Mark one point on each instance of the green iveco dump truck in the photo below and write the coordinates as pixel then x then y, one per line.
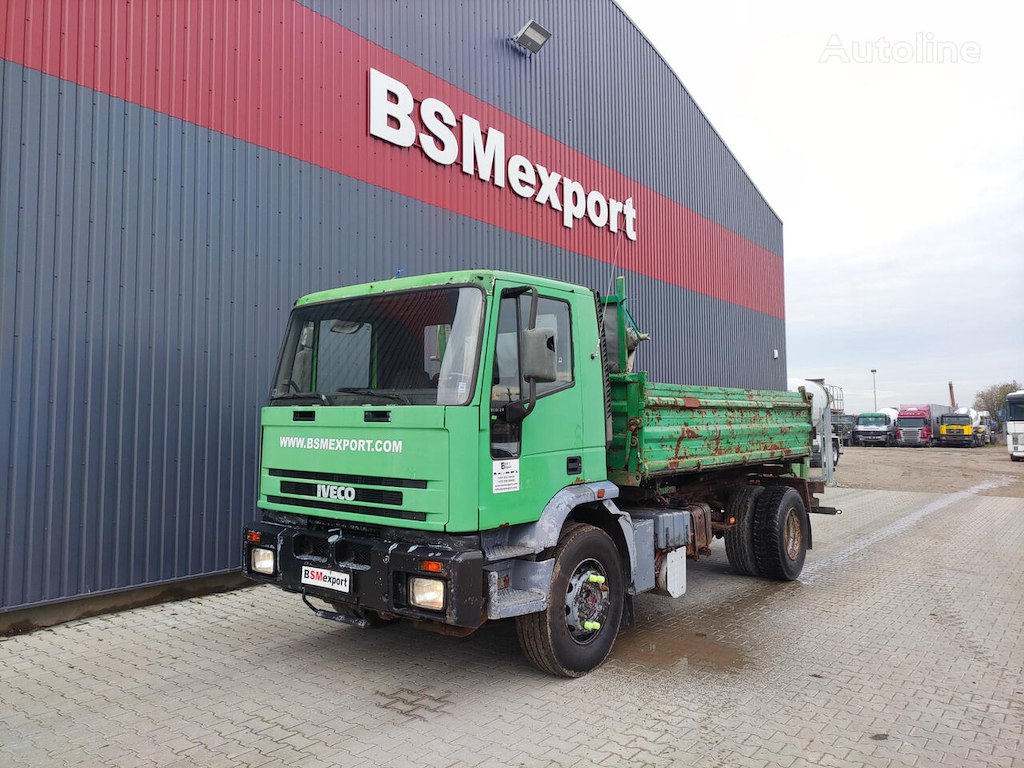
pixel 463 447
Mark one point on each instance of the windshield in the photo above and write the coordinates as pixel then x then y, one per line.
pixel 872 421
pixel 909 422
pixel 1015 410
pixel 959 420
pixel 417 347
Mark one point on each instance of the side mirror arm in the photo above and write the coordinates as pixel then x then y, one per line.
pixel 518 410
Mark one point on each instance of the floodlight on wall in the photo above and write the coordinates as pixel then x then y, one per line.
pixel 532 37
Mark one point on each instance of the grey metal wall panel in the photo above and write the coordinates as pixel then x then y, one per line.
pixel 147 266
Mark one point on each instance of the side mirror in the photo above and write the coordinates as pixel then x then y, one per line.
pixel 538 350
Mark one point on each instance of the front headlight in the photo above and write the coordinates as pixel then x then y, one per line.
pixel 426 593
pixel 262 560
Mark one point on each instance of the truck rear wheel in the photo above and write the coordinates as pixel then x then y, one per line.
pixel 576 632
pixel 739 542
pixel 780 533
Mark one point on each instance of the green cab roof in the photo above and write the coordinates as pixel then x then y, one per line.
pixel 485 278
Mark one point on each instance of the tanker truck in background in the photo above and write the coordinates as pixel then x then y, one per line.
pixel 961 427
pixel 892 413
pixel 985 428
pixel 842 422
pixel 875 428
pixel 821 418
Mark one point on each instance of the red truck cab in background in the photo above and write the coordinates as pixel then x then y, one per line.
pixel 917 425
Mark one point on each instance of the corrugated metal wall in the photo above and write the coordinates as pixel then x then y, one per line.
pixel 599 86
pixel 147 265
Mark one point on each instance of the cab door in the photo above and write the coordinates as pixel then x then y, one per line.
pixel 526 462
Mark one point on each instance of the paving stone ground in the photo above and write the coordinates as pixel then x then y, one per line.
pixel 901 645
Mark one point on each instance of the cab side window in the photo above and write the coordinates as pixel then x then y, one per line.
pixel 507 384
pixel 514 316
pixel 553 314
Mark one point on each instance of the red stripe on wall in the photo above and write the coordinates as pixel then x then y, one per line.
pixel 281 76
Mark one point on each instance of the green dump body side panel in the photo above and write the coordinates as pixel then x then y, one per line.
pixel 661 430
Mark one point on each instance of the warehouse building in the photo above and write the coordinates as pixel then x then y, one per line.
pixel 174 175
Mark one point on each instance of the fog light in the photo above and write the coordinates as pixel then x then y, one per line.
pixel 262 560
pixel 426 593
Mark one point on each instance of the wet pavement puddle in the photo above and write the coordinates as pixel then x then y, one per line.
pixel 663 650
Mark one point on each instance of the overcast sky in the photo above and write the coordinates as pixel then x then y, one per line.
pixel 900 183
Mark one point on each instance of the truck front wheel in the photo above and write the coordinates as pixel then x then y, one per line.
pixel 780 533
pixel 576 632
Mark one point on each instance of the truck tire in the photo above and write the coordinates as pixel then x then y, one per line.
pixel 780 533
pixel 555 640
pixel 739 542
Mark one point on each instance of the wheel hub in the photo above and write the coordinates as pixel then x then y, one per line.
pixel 794 534
pixel 587 601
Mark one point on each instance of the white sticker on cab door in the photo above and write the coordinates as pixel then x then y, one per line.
pixel 505 476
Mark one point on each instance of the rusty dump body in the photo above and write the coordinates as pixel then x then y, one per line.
pixel 664 430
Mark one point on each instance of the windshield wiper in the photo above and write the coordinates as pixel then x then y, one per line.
pixel 320 396
pixel 393 396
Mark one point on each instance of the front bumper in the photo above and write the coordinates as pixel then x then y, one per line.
pixel 882 438
pixel 960 441
pixel 378 568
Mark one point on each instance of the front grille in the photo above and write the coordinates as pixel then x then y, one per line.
pixel 912 434
pixel 331 477
pixel 366 495
pixel 334 492
pixel 401 514
pixel 352 552
pixel 311 548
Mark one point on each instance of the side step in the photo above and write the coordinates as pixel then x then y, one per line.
pixel 517 587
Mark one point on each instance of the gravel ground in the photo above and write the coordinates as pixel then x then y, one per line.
pixel 930 470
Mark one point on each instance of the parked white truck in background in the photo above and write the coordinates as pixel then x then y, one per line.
pixel 1013 424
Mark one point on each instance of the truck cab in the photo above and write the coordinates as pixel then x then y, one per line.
pixel 844 424
pixel 914 427
pixel 457 448
pixel 1013 424
pixel 874 429
pixel 958 429
pixel 389 409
